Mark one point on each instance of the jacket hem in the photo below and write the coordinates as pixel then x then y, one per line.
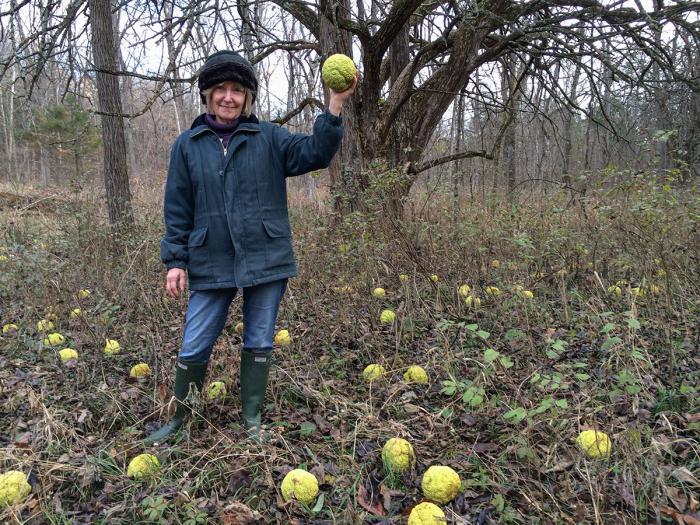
pixel 245 284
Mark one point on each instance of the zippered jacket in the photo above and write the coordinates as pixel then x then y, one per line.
pixel 225 211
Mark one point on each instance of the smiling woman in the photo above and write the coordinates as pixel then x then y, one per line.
pixel 227 225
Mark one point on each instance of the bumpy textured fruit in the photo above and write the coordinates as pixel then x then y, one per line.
pixel 283 338
pixel 527 294
pixel 472 301
pixel 416 374
pixel 13 487
pixel 216 390
pixel 492 291
pixel 143 466
pixel 140 370
pixel 299 485
pixel 84 293
pixel 54 339
pixel 495 263
pixel 44 325
pixel 112 347
pixel 387 317
pixel 440 483
pixel 403 277
pixel 338 71
pixel 10 329
pixel 435 278
pixel 594 443
pixel 398 456
pixel 373 372
pixel 67 354
pixel 75 312
pixel 464 290
pixel 378 293
pixel 426 514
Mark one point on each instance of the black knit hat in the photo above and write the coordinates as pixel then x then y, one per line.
pixel 223 66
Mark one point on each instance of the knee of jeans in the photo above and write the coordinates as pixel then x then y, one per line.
pixel 195 355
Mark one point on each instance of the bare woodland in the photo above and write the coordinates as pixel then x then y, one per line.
pixel 480 96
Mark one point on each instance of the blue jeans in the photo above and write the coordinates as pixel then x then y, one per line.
pixel 207 311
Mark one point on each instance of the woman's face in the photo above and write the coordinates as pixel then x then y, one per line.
pixel 227 101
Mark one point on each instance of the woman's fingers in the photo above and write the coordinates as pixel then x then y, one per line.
pixel 175 282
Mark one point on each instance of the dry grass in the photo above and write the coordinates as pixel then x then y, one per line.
pixel 627 365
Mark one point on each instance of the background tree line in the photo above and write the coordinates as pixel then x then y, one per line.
pixel 488 94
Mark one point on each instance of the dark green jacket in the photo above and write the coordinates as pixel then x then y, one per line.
pixel 226 217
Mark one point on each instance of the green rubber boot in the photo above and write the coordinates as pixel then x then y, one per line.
pixel 187 373
pixel 255 370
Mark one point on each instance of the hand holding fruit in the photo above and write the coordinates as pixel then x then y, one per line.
pixel 340 75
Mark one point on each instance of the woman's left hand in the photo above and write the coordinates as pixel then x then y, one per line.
pixel 337 99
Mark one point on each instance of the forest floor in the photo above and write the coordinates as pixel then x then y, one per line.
pixel 608 341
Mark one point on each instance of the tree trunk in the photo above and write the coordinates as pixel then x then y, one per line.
pixel 115 167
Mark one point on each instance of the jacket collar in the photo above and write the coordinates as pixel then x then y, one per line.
pixel 199 125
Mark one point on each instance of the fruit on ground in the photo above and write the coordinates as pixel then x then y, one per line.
pixel 300 485
pixel 373 372
pixel 13 487
pixel 338 72
pixel 493 291
pixel 112 347
pixel 84 293
pixel 54 339
pixel 440 483
pixel 416 374
pixel 435 278
pixel 378 293
pixel 143 466
pixel 283 338
pixel 472 301
pixel 464 290
pixel 75 312
pixel 10 329
pixel 216 390
pixel 387 317
pixel 140 370
pixel 426 513
pixel 594 443
pixel 44 325
pixel 398 456
pixel 403 277
pixel 67 354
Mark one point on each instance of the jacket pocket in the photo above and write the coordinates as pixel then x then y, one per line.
pixel 278 248
pixel 277 227
pixel 197 237
pixel 198 254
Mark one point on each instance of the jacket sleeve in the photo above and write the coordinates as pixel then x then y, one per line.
pixel 304 153
pixel 178 211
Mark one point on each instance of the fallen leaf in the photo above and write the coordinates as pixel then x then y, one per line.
pixel 365 500
pixel 238 513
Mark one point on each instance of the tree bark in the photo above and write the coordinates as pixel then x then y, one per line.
pixel 116 174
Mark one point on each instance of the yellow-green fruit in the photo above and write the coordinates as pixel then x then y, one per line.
pixel 300 485
pixel 338 72
pixel 216 390
pixel 67 354
pixel 403 277
pixel 3 258
pixel 140 370
pixel 343 289
pixel 13 487
pixel 239 328
pixel 426 514
pixel 143 466
pixel 440 483
pixel 379 292
pixel 614 290
pixel 464 290
pixel 398 456
pixel 527 294
pixel 84 293
pixel 112 347
pixel 495 263
pixel 416 374
pixel 595 444
pixel 492 291
pixel 387 317
pixel 373 372
pixel 655 289
pixel 472 301
pixel 637 291
pixel 44 325
pixel 10 329
pixel 54 339
pixel 434 278
pixel 75 312
pixel 283 338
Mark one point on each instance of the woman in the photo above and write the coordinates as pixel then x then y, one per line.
pixel 227 224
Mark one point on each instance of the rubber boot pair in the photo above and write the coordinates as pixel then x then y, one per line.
pixel 255 371
pixel 187 374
